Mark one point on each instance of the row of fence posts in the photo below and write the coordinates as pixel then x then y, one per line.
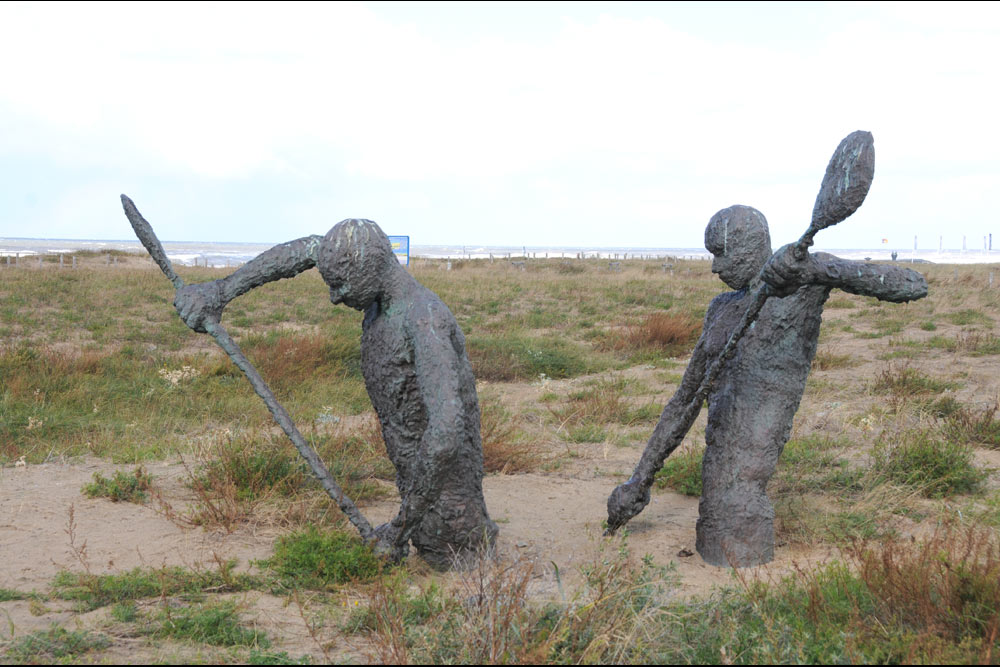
pixel 616 266
pixel 109 260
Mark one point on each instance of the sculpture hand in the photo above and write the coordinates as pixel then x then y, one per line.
pixel 384 543
pixel 625 502
pixel 199 304
pixel 785 274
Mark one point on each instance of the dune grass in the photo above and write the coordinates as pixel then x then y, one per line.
pixel 884 468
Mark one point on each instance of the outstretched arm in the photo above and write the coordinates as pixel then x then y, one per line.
pixel 438 369
pixel 204 302
pixel 882 281
pixel 630 498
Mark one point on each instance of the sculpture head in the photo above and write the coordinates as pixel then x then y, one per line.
pixel 739 239
pixel 356 259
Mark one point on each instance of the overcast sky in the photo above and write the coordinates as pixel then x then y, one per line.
pixel 560 124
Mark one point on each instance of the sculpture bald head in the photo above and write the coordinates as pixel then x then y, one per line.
pixel 739 239
pixel 355 259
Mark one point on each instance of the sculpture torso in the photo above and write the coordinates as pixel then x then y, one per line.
pixel 390 369
pixel 750 415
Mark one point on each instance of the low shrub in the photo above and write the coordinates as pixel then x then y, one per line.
pixel 936 467
pixel 314 559
pixel 121 486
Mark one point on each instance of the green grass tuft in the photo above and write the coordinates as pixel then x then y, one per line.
pixel 936 467
pixel 94 591
pixel 320 560
pixel 217 624
pixel 121 486
pixel 56 643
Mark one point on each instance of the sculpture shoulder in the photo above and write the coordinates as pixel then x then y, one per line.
pixel 723 302
pixel 426 317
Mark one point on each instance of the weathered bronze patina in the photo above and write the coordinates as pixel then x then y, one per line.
pixel 416 371
pixel 753 358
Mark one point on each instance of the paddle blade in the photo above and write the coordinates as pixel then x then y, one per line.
pixel 144 231
pixel 847 179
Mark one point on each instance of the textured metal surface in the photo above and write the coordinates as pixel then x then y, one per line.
pixel 416 372
pixel 753 358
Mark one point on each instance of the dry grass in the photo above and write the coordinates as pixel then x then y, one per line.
pixel 966 426
pixel 488 618
pixel 826 360
pixel 504 451
pixel 671 334
pixel 946 588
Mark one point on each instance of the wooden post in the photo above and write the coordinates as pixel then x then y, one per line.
pixel 74 261
pixel 60 261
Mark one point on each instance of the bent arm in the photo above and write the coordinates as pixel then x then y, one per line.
pixel 282 261
pixel 882 281
pixel 204 302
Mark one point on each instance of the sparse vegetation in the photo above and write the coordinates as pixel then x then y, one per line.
pixel 904 381
pixel 826 360
pixel 216 624
pixel 504 451
pixel 937 467
pixel 93 591
pixel 54 644
pixel 121 486
pixel 315 559
pixel 888 471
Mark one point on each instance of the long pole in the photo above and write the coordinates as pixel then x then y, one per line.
pixel 144 231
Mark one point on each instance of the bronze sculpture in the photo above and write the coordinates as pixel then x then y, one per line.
pixel 753 358
pixel 416 371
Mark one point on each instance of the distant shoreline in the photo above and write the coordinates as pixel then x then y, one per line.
pixel 232 253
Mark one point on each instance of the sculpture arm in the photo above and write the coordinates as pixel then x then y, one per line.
pixel 437 365
pixel 674 423
pixel 630 498
pixel 885 282
pixel 204 302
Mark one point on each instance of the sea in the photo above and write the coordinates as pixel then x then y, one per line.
pixel 190 253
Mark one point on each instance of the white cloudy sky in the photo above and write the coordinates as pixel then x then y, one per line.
pixel 559 124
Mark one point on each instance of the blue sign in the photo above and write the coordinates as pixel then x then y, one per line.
pixel 401 248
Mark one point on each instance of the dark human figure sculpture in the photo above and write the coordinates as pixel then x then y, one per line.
pixel 754 396
pixel 417 374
